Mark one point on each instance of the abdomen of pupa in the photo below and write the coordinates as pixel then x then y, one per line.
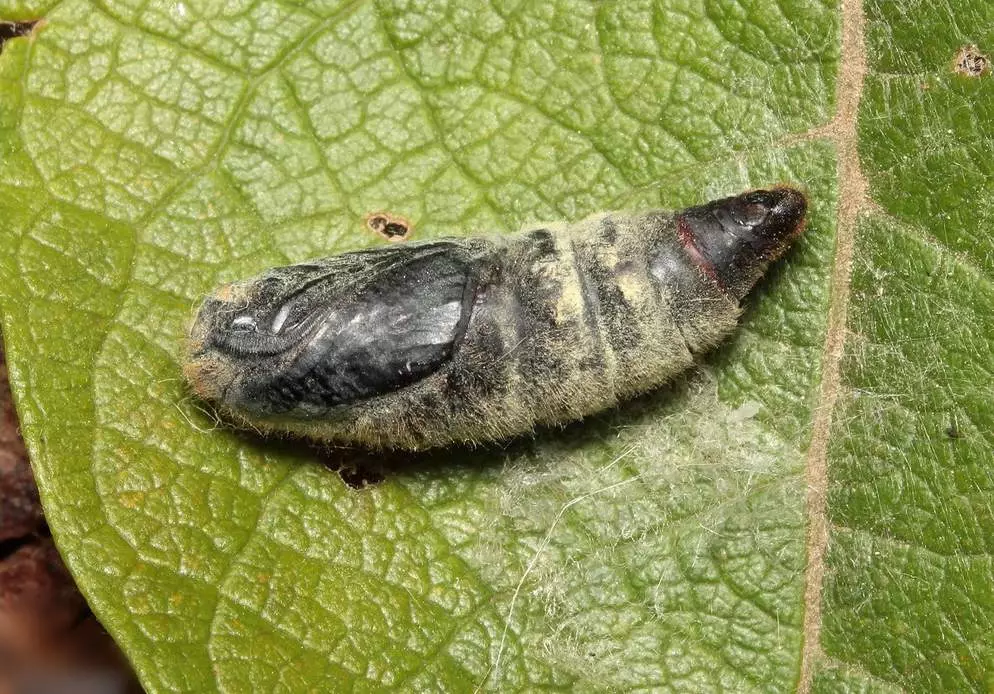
pixel 469 340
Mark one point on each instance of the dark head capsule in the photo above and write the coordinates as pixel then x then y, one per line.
pixel 736 239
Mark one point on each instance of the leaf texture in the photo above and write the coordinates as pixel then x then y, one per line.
pixel 153 150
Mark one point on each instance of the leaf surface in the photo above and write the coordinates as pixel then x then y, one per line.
pixel 908 597
pixel 154 150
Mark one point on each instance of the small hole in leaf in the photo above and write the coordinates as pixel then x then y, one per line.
pixel 970 62
pixel 393 230
pixel 13 30
pixel 390 227
pixel 359 476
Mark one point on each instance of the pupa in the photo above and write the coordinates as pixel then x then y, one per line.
pixel 469 340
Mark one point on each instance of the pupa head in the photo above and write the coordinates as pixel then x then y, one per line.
pixel 734 240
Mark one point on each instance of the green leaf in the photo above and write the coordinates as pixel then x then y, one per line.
pixel 151 151
pixel 909 598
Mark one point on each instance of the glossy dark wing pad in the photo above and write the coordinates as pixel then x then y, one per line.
pixel 399 327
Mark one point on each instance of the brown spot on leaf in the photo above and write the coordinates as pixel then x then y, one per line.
pixel 389 226
pixel 970 62
pixel 13 30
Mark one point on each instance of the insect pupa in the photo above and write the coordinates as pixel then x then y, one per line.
pixel 477 339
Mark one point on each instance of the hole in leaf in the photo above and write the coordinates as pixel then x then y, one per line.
pixel 390 227
pixel 359 477
pixel 357 468
pixel 13 30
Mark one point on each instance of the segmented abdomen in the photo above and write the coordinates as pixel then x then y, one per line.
pixel 574 322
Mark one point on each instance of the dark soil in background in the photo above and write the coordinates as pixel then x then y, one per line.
pixel 49 639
